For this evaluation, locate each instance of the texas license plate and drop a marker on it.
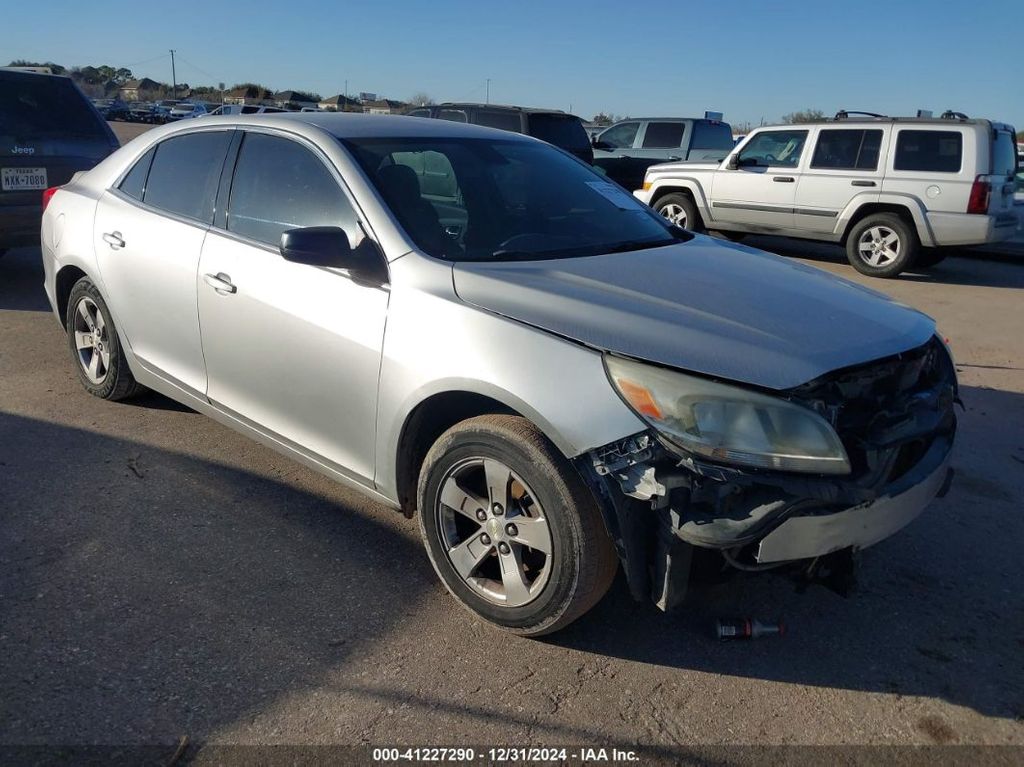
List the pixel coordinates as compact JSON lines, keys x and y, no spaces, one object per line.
{"x":21,"y":179}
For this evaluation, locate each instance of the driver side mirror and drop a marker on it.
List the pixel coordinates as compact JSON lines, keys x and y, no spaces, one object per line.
{"x":328,"y":246}
{"x":598,"y":144}
{"x":733,"y":162}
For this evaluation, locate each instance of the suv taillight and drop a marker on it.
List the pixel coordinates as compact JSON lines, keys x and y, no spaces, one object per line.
{"x":48,"y":195}
{"x":981,"y":191}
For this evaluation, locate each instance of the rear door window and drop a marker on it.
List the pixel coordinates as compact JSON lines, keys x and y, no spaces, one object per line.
{"x":492,"y":118}
{"x":185,"y":172}
{"x":279,"y":185}
{"x":929,"y":150}
{"x":454,"y":115}
{"x":842,"y":149}
{"x":664,"y":135}
{"x":38,"y":106}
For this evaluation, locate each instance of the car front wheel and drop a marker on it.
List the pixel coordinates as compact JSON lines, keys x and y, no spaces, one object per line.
{"x":510,"y":527}
{"x":681,"y":211}
{"x":882,"y":245}
{"x":95,"y":346}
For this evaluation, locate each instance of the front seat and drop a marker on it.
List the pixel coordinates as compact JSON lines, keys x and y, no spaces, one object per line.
{"x":401,"y":190}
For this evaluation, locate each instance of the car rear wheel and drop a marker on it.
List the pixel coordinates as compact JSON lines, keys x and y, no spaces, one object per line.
{"x":882,"y":245}
{"x":95,"y":347}
{"x":510,"y":528}
{"x":681,"y":211}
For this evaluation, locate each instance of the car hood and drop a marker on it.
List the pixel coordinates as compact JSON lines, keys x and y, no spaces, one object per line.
{"x":723,"y":310}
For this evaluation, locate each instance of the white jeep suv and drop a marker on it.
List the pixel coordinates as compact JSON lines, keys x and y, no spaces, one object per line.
{"x":894,"y":191}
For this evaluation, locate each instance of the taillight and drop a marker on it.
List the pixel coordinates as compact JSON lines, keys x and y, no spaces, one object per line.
{"x":48,"y":195}
{"x":981,"y":191}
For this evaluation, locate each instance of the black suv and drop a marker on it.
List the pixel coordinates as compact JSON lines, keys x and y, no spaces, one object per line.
{"x":49,"y":130}
{"x":559,"y":128}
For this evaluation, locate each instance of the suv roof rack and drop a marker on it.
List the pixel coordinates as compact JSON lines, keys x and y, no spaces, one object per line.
{"x":844,"y":114}
{"x":949,"y":114}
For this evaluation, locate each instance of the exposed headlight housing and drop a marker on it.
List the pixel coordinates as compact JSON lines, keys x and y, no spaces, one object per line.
{"x":728,"y":424}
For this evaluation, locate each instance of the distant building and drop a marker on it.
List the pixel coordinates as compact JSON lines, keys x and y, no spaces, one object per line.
{"x":293,"y":100}
{"x":364,"y":96}
{"x":385,"y":107}
{"x":340,"y":103}
{"x":249,"y":95}
{"x":134,"y":90}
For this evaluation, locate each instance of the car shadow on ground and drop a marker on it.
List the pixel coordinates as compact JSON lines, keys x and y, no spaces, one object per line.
{"x":21,"y":281}
{"x":937,"y":612}
{"x":962,"y":267}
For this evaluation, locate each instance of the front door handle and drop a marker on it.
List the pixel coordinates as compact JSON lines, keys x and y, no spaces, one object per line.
{"x":114,"y":240}
{"x":783,"y":179}
{"x":862,"y":183}
{"x":220,"y":282}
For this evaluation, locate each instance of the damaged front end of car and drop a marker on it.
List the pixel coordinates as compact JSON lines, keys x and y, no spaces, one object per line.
{"x":802,"y":478}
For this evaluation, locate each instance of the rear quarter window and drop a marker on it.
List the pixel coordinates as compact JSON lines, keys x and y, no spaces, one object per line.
{"x":711,"y":135}
{"x":664,"y":135}
{"x":932,"y":151}
{"x":510,"y":121}
{"x":134,"y":184}
{"x":565,"y":131}
{"x":1004,"y":154}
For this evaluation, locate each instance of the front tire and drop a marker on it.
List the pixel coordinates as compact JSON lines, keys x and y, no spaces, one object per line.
{"x":681,"y":211}
{"x":510,"y":527}
{"x":95,"y":347}
{"x":882,"y":245}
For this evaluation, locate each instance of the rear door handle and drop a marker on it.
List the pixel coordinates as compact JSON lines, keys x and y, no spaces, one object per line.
{"x":862,"y":183}
{"x":114,"y":240}
{"x":783,"y":179}
{"x":220,"y":282}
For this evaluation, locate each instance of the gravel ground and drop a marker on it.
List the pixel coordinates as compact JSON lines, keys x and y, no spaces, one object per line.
{"x":161,"y":575}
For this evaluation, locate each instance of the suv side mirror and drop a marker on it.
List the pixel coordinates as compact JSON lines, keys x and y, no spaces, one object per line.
{"x":329,"y":246}
{"x":733,"y":162}
{"x":598,"y":144}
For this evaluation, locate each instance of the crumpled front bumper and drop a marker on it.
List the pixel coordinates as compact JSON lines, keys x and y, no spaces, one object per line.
{"x":815,"y":535}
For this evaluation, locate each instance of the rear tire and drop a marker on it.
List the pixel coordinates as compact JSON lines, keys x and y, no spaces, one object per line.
{"x":681,"y":211}
{"x":491,"y":486}
{"x":882,"y":245}
{"x":95,"y":346}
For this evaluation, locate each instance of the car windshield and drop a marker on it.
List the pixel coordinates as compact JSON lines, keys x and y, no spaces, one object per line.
{"x":46,"y":106}
{"x":492,"y":200}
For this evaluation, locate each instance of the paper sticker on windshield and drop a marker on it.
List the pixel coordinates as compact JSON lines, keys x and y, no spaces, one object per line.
{"x":616,"y":195}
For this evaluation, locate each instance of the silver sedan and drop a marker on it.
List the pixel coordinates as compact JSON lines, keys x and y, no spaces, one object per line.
{"x":475,"y":326}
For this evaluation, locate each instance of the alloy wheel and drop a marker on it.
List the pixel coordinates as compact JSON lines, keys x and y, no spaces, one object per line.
{"x":91,"y":340}
{"x":879,"y":246}
{"x":494,"y":532}
{"x":675,"y":213}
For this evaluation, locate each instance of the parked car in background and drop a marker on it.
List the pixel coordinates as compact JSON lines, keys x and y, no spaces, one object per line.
{"x":554,"y":126}
{"x":550,"y":374}
{"x":895,"y":191}
{"x":186,"y":110}
{"x":113,"y":109}
{"x":162,"y":110}
{"x":140,"y":112}
{"x":625,"y":150}
{"x":245,"y":109}
{"x":48,"y":132}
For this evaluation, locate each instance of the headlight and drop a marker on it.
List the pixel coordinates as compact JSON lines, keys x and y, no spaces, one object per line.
{"x":727,"y":423}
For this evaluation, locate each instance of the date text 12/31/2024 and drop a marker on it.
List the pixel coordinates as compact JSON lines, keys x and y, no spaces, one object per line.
{"x":503,"y":754}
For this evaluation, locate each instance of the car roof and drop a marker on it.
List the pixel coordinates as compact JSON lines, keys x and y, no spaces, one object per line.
{"x":860,"y":122}
{"x":510,"y":107}
{"x":344,"y":125}
{"x":663,"y":120}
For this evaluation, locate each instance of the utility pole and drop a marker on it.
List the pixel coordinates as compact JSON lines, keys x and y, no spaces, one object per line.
{"x":174,"y":78}
{"x":487,"y":93}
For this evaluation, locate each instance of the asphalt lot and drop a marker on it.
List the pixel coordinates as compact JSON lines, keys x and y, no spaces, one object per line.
{"x":161,"y":575}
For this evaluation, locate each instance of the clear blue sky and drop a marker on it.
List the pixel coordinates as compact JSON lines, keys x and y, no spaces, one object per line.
{"x":747,"y":59}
